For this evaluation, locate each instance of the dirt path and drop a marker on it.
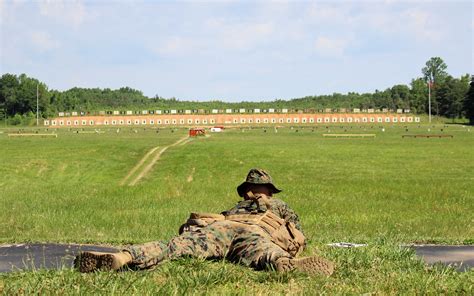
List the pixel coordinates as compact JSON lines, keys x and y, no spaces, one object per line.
{"x":138,"y":165}
{"x":144,"y":166}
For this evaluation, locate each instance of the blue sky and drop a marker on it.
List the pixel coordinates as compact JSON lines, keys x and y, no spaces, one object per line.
{"x":233,"y":50}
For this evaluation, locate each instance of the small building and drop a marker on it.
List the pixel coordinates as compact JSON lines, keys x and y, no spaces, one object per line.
{"x":194,"y":132}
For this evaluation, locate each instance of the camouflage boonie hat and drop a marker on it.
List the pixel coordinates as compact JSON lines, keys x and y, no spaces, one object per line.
{"x":259,"y":177}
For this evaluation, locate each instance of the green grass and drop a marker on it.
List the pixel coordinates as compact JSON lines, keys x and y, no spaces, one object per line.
{"x":384,"y":191}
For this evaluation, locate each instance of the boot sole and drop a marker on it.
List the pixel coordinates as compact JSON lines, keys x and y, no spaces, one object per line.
{"x":89,"y":262}
{"x":310,"y":265}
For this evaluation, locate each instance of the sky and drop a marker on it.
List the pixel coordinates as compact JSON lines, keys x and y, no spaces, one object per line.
{"x":233,"y":50}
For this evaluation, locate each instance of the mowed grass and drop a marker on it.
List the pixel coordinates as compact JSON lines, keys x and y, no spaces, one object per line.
{"x":383,"y":191}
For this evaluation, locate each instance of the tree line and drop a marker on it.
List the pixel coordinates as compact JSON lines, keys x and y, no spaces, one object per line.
{"x":450,"y":97}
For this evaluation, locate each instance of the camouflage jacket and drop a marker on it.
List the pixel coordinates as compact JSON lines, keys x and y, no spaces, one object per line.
{"x":277,"y":206}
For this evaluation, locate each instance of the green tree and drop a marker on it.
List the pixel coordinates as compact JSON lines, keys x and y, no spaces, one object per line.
{"x":434,"y":73}
{"x":418,"y":96}
{"x":450,"y":94}
{"x":400,"y":94}
{"x":469,"y":102}
{"x":9,"y":85}
{"x":435,"y":70}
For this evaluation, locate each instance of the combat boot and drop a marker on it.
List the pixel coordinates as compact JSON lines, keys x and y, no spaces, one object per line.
{"x":92,"y":261}
{"x":310,"y":265}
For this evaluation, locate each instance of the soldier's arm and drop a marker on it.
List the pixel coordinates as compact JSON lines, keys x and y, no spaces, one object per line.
{"x":240,"y":206}
{"x":288,"y":214}
{"x":291,"y":216}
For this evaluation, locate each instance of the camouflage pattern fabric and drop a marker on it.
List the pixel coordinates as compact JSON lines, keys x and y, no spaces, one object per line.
{"x":277,"y":206}
{"x":237,"y":242}
{"x":257,"y":176}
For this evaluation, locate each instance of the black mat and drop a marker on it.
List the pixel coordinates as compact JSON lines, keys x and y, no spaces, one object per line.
{"x":460,"y":257}
{"x":20,"y":257}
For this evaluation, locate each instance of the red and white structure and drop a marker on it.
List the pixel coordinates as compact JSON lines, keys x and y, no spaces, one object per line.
{"x":255,"y":119}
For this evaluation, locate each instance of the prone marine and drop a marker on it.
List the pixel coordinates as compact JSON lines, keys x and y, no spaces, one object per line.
{"x":261,"y":232}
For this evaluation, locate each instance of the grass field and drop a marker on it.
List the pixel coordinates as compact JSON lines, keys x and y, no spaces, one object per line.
{"x":383,"y":191}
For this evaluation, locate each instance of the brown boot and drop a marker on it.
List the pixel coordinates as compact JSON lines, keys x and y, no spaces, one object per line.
{"x":310,"y":265}
{"x":92,"y":261}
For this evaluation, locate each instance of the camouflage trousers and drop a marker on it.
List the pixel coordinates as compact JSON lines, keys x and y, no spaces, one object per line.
{"x":237,"y":242}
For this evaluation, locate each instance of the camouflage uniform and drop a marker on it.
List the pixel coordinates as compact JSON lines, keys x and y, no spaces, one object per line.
{"x":260,"y":232}
{"x":237,"y":242}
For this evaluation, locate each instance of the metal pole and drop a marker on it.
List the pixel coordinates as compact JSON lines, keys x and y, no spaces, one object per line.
{"x":429,"y":100}
{"x":37,"y":106}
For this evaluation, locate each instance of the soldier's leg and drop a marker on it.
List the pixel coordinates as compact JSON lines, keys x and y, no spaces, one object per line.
{"x":210,"y":242}
{"x":137,"y":256}
{"x":147,"y":255}
{"x":252,"y":247}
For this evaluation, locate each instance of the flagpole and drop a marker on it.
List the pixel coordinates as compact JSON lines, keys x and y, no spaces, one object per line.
{"x":37,"y":106}
{"x":429,"y":100}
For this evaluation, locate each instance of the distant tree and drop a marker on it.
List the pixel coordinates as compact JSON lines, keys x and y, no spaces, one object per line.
{"x":400,"y":94}
{"x":418,"y":96}
{"x":435,"y":70}
{"x":434,"y":73}
{"x":469,"y":102}
{"x":9,"y":85}
{"x":383,"y":99}
{"x":450,"y":94}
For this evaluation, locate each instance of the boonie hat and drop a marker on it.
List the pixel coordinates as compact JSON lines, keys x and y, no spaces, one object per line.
{"x":257,"y":177}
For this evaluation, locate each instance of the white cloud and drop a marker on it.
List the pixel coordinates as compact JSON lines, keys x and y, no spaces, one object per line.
{"x":418,"y":22}
{"x":331,"y":47}
{"x":43,"y":41}
{"x":239,"y":36}
{"x":215,"y":35}
{"x":68,"y":12}
{"x":327,"y":12}
{"x":175,"y":45}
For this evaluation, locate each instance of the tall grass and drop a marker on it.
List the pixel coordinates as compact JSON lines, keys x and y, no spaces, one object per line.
{"x":383,"y":191}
